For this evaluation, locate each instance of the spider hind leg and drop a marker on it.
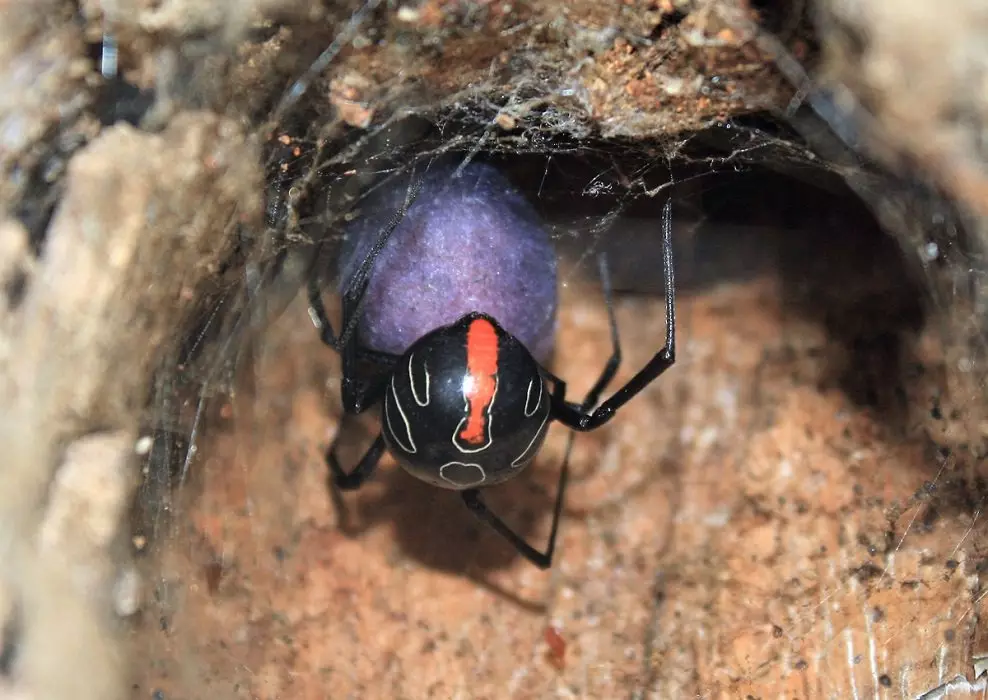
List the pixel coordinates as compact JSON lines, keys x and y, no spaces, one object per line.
{"x":472,"y":497}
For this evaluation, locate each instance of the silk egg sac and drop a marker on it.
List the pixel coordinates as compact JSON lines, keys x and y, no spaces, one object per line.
{"x":469,"y":242}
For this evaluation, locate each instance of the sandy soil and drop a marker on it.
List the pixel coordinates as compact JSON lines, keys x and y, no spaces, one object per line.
{"x":746,"y":528}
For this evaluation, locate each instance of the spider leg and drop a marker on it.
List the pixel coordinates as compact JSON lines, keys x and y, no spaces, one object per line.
{"x":355,"y":392}
{"x":354,"y":295}
{"x":320,"y":319}
{"x":473,"y":501}
{"x":342,"y":481}
{"x":317,"y":312}
{"x":543,"y":560}
{"x":579,"y":417}
{"x":360,"y":473}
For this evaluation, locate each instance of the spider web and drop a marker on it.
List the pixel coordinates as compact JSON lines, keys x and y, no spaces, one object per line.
{"x":241,"y":527}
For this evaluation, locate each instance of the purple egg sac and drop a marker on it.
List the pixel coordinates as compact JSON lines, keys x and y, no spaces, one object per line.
{"x":468,"y":243}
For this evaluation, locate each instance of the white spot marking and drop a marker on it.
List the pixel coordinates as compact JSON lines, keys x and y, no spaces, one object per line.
{"x":410,"y":447}
{"x":528,"y":398}
{"x":411,"y":383}
{"x":477,"y":482}
{"x":517,"y":461}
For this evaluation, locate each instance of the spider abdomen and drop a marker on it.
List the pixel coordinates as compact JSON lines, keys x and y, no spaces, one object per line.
{"x":469,"y":242}
{"x":467,"y":406}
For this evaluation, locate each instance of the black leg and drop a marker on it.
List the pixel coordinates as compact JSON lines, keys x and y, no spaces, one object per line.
{"x":363,"y":471}
{"x":354,"y":294}
{"x":543,"y":560}
{"x":357,"y":394}
{"x":359,"y":389}
{"x":341,"y":481}
{"x":579,"y":417}
{"x":320,"y":319}
{"x":473,"y":501}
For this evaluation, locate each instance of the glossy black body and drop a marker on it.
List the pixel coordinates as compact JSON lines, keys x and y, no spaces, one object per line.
{"x":425,"y":406}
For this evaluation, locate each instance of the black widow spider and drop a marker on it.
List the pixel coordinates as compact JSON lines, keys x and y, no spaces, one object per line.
{"x":467,"y":406}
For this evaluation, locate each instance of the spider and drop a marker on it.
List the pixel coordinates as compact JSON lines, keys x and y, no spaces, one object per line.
{"x":466,"y":405}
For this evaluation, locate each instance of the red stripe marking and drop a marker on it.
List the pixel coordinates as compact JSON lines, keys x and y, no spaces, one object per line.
{"x":482,"y":369}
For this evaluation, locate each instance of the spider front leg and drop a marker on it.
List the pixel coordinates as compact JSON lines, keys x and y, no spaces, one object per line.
{"x":358,"y":395}
{"x":320,"y":319}
{"x":580,"y":417}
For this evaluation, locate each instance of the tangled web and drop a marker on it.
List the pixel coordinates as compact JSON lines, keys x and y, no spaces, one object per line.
{"x":808,"y":359}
